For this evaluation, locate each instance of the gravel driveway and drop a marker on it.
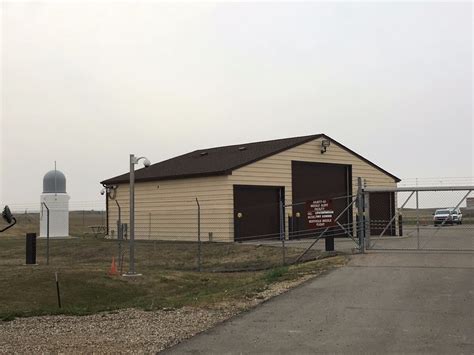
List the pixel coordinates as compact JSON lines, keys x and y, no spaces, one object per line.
{"x":124,"y":331}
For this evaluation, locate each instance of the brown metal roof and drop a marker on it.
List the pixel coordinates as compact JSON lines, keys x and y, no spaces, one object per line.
{"x":221,"y":160}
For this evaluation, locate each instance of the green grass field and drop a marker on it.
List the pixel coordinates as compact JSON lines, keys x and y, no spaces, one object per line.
{"x":169,"y":276}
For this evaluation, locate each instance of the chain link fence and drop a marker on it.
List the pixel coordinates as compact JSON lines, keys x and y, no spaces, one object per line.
{"x":81,"y":223}
{"x":188,"y":235}
{"x":213,"y":235}
{"x":208,"y":226}
{"x":420,"y":218}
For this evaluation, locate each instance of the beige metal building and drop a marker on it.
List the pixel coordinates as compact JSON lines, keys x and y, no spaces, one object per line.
{"x":239,"y":189}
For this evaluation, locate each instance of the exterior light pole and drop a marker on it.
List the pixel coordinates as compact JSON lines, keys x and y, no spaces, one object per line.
{"x":133,"y":161}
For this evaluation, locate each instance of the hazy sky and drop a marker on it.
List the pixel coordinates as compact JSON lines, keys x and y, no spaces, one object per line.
{"x":86,"y":84}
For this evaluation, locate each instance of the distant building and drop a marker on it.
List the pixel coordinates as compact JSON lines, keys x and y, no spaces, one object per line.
{"x":470,"y":202}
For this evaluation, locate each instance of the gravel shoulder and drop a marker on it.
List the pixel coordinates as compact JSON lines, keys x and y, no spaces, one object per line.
{"x":125,"y":331}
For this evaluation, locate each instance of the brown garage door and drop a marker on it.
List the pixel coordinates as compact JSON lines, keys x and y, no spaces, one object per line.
{"x":382,"y":208}
{"x":260,"y":210}
{"x":320,"y":180}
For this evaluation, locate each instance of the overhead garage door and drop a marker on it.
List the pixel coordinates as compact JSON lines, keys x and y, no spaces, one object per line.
{"x":259,"y":208}
{"x":382,"y":209}
{"x":311,"y":181}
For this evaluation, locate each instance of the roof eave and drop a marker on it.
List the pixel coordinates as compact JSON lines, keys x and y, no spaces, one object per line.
{"x":171,"y":177}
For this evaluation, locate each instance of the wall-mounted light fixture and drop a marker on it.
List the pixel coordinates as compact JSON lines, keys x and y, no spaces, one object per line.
{"x":324,"y":144}
{"x":110,"y":190}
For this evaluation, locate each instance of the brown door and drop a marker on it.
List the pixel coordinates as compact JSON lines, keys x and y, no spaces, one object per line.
{"x":256,"y":212}
{"x":311,"y":181}
{"x":381,"y":210}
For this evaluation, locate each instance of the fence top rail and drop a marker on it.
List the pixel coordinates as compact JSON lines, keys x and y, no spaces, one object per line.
{"x":419,"y":188}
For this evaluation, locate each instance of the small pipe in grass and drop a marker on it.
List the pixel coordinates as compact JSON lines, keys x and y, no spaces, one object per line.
{"x":57,"y":289}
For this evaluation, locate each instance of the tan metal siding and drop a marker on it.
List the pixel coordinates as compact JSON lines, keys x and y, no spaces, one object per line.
{"x":167,"y":210}
{"x":276,"y":170}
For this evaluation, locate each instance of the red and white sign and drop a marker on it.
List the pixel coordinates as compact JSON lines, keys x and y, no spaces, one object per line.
{"x":320,"y":213}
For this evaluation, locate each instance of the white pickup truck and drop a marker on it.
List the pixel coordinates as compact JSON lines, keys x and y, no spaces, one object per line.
{"x":448,"y":216}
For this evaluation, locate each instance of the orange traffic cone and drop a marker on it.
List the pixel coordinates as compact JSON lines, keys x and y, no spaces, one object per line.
{"x":113,"y":268}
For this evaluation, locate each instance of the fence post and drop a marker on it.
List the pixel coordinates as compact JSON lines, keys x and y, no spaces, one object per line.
{"x":417,"y":221}
{"x":119,"y":235}
{"x":199,"y":234}
{"x":290,"y":225}
{"x":119,"y":241}
{"x":282,"y":228}
{"x":47,"y":230}
{"x":47,"y":235}
{"x":367,"y":219}
{"x":360,"y":214}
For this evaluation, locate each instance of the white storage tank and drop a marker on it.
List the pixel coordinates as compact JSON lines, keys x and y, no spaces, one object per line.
{"x":56,"y":198}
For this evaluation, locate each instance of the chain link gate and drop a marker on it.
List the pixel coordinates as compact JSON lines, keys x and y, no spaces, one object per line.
{"x":422,"y":218}
{"x":347,"y":222}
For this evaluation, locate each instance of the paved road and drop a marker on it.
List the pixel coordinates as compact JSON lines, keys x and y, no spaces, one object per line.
{"x":431,"y":237}
{"x":378,"y":303}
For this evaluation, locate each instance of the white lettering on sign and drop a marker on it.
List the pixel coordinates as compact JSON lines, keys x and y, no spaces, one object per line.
{"x":320,"y":213}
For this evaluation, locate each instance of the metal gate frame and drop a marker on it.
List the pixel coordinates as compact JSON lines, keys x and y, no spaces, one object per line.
{"x":358,"y":228}
{"x":414,"y":191}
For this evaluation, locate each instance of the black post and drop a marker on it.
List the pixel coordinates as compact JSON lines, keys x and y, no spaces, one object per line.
{"x":329,"y":243}
{"x":297,"y":226}
{"x":237,"y":227}
{"x":329,"y":239}
{"x":31,"y":248}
